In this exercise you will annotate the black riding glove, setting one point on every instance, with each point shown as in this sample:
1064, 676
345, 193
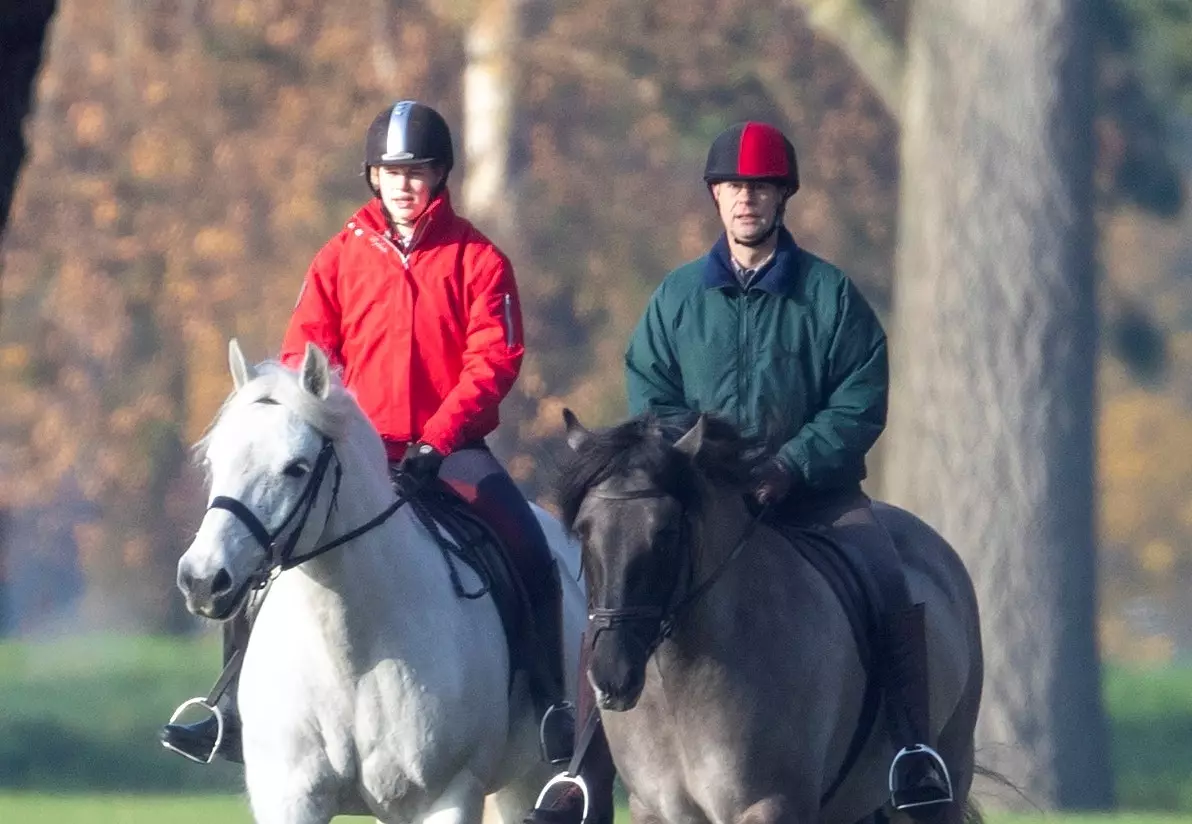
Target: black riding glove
421, 462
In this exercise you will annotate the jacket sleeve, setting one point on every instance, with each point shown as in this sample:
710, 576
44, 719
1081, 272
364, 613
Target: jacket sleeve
834, 442
653, 380
492, 357
316, 315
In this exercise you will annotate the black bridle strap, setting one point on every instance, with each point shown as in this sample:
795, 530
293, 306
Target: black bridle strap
301, 511
603, 618
375, 522
283, 560
246, 516
668, 624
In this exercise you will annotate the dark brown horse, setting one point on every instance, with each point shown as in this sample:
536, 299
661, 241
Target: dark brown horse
725, 667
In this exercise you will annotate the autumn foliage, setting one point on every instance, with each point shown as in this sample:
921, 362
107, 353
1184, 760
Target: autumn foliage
190, 157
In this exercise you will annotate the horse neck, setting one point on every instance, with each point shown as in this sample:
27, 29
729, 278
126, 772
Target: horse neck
723, 522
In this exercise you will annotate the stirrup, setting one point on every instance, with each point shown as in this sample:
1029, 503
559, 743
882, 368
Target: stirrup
937, 762
564, 707
219, 728
567, 778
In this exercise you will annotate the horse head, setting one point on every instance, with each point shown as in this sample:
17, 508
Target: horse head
268, 456
633, 494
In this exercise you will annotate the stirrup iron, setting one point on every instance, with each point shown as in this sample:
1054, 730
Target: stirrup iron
567, 778
937, 761
553, 709
214, 709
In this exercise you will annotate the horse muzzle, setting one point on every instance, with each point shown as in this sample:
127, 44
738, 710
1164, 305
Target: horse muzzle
212, 595
617, 671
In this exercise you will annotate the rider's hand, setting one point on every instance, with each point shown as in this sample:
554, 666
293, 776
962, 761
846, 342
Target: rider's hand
772, 483
421, 461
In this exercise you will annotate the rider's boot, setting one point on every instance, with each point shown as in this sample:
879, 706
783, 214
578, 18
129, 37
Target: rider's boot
918, 776
202, 741
557, 728
588, 797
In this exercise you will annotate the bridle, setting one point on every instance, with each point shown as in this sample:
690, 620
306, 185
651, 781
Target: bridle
667, 615
279, 555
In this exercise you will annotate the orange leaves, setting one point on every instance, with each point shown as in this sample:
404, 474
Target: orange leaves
218, 243
90, 122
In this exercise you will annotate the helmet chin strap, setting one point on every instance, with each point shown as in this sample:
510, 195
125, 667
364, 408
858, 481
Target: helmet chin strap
769, 233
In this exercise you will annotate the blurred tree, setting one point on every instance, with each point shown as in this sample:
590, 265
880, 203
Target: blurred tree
994, 353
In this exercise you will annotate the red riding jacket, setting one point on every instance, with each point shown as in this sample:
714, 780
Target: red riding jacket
429, 342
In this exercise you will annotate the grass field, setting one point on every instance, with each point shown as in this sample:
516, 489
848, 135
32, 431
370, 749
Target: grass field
78, 723
123, 809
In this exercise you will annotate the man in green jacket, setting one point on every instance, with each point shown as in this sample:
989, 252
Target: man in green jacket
780, 341
769, 335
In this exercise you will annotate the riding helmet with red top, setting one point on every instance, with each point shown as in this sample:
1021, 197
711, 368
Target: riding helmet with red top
752, 151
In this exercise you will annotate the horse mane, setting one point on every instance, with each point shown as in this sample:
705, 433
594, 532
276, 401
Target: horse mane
334, 415
728, 459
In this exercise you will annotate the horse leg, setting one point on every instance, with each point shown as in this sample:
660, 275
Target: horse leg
462, 802
638, 814
779, 809
286, 804
289, 790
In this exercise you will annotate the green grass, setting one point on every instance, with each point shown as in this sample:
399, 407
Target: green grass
124, 809
80, 716
1151, 723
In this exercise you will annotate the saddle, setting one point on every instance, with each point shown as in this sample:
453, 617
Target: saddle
474, 543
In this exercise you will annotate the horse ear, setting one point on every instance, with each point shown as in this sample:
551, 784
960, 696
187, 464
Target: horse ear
316, 372
693, 439
576, 433
242, 373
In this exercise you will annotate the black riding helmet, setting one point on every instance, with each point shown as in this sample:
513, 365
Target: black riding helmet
406, 134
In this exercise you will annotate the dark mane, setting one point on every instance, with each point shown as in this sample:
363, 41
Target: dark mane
728, 459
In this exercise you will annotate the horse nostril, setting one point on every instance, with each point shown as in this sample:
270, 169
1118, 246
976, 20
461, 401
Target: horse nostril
186, 579
222, 582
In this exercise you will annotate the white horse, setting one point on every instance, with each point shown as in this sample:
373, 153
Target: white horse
368, 687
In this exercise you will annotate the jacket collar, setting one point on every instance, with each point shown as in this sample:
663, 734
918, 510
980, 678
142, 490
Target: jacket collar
777, 276
437, 217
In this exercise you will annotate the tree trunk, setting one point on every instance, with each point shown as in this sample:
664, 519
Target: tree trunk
23, 29
492, 37
993, 364
489, 103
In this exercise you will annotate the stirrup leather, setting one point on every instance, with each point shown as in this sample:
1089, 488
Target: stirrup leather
219, 728
937, 761
566, 778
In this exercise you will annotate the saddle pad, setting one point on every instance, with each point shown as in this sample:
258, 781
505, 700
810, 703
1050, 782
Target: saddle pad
847, 572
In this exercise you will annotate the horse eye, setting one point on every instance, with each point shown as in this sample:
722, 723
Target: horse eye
296, 469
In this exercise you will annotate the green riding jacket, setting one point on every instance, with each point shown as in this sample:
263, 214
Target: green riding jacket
798, 358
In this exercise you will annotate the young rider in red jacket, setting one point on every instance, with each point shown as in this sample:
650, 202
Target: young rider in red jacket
421, 313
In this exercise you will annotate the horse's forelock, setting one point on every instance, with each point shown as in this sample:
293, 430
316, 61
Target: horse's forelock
332, 415
644, 443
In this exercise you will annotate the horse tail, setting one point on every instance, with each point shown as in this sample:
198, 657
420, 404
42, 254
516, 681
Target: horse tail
971, 813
